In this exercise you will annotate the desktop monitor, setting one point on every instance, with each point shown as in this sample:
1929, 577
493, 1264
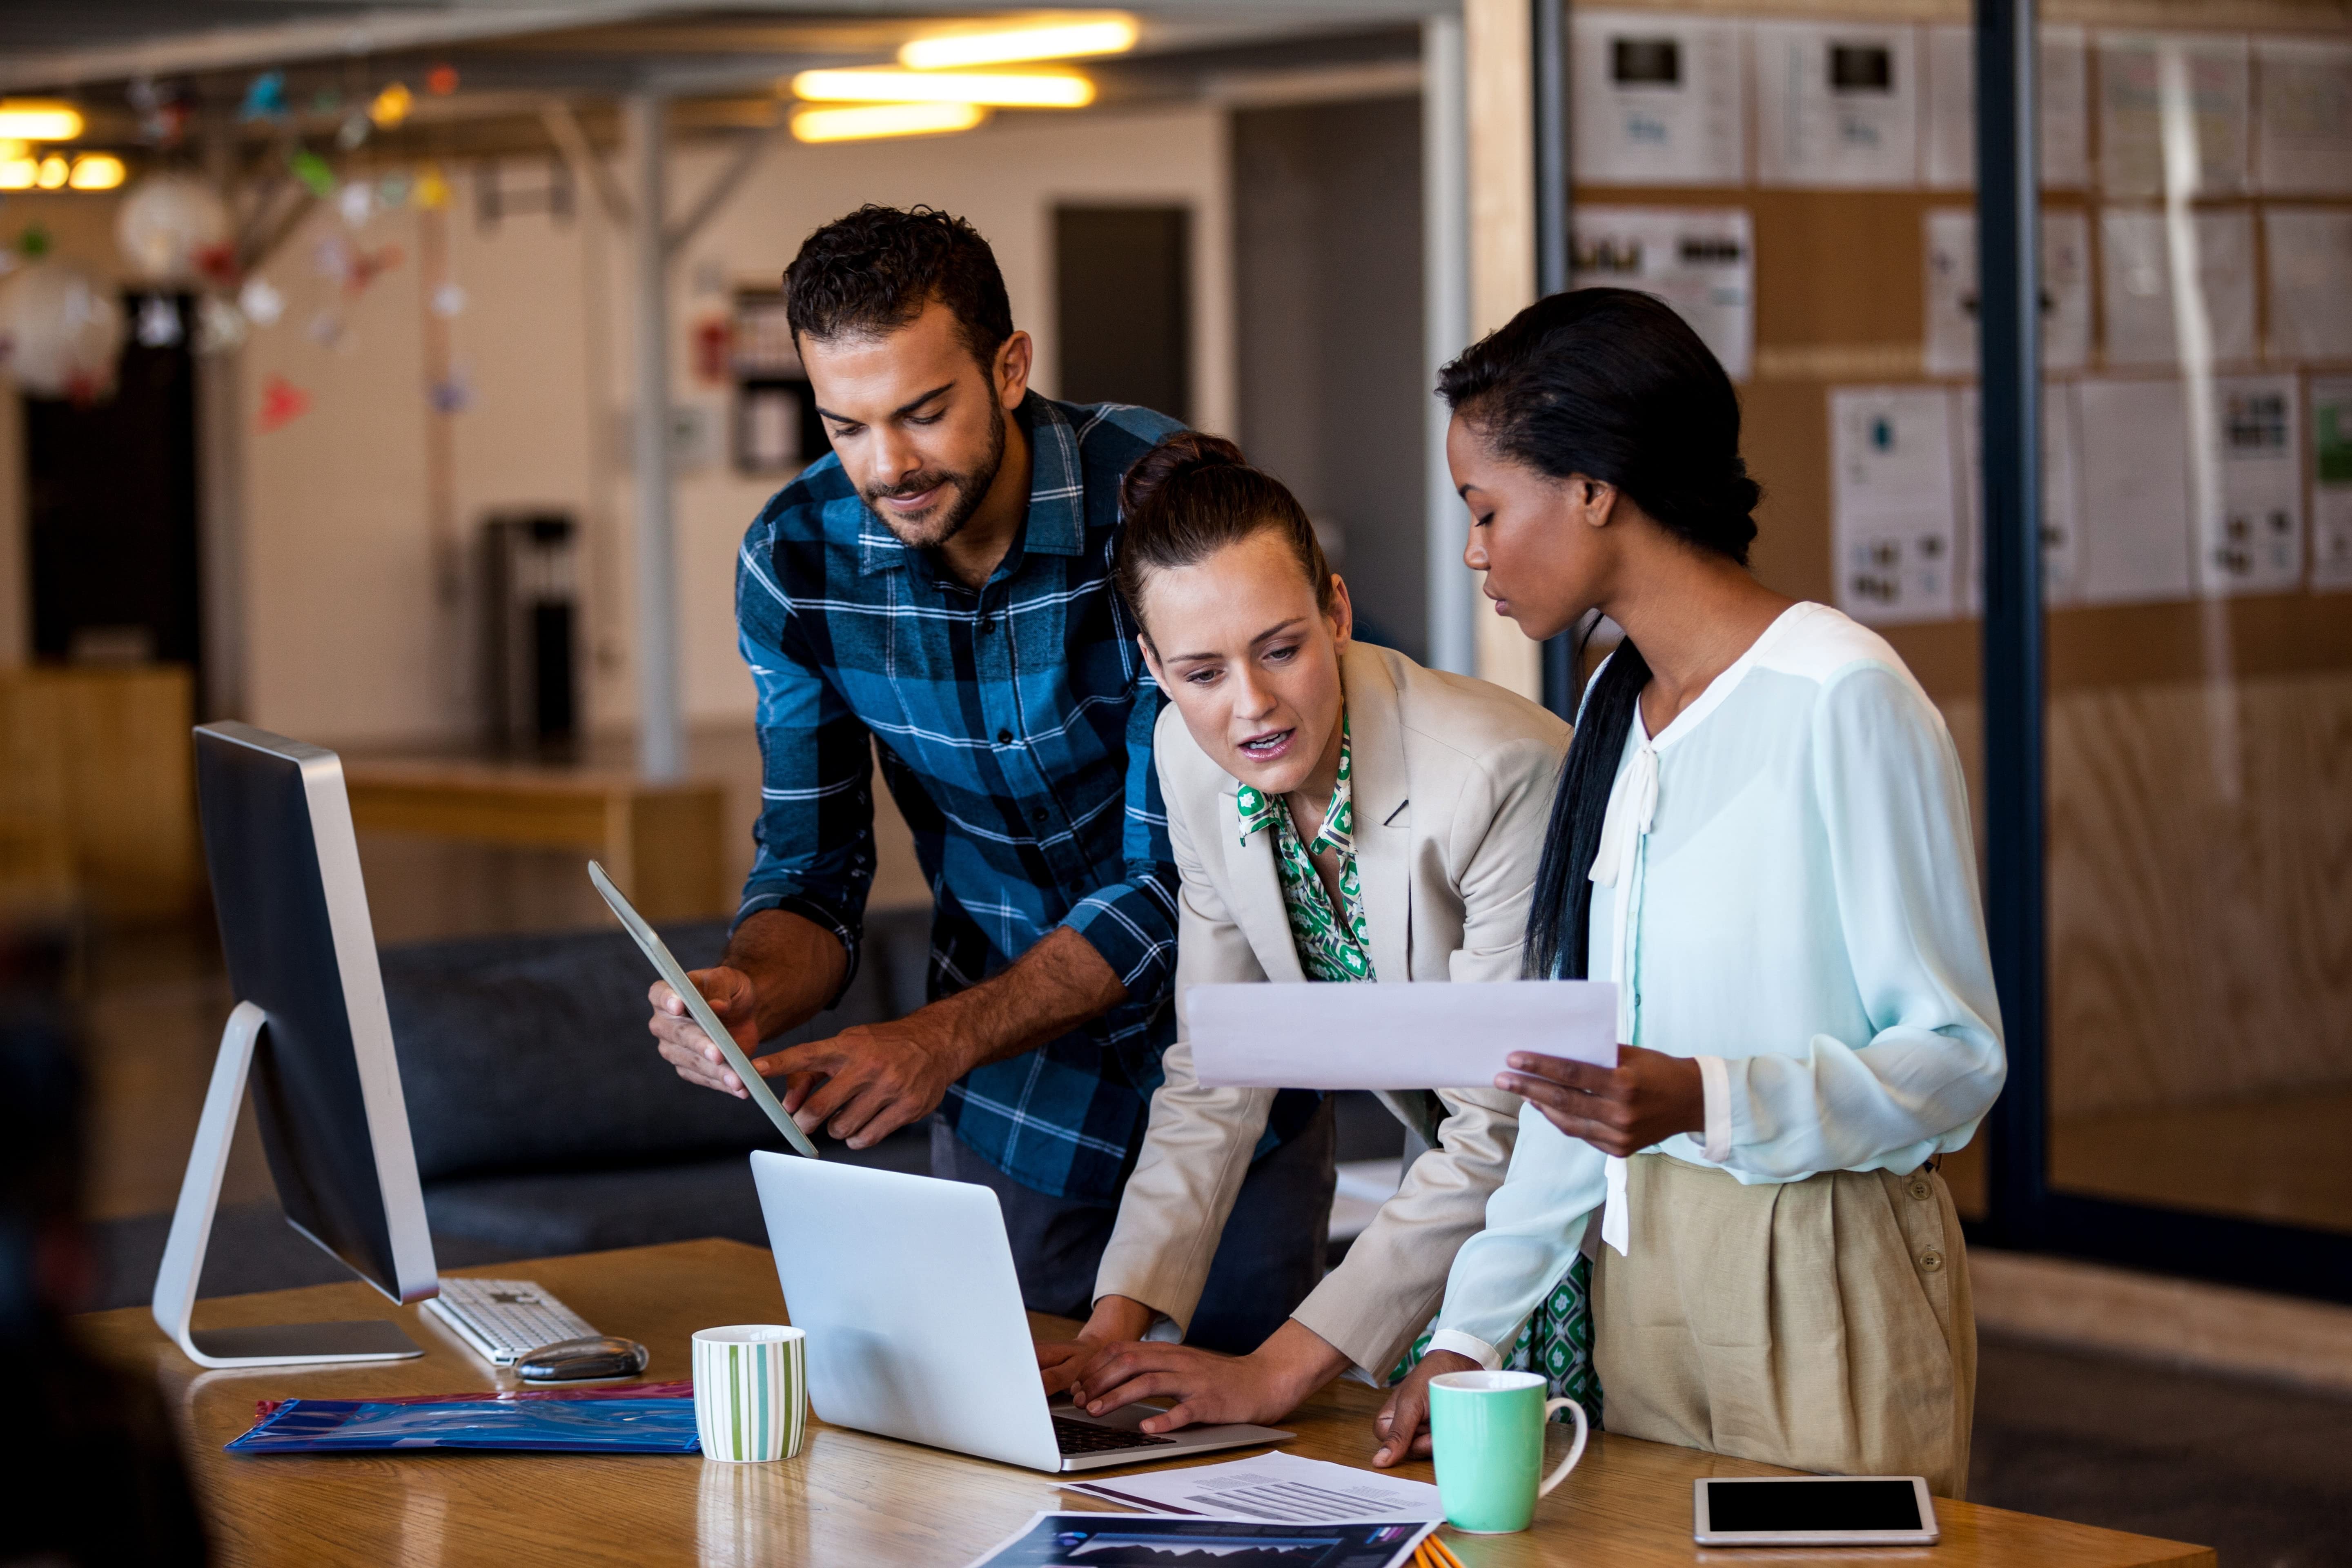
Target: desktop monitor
311, 1035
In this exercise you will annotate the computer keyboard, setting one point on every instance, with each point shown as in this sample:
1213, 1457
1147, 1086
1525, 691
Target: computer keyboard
505, 1320
1085, 1438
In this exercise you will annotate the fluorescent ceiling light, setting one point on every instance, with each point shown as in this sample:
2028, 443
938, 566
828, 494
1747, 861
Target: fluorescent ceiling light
34, 120
17, 174
52, 173
96, 172
885, 120
1034, 90
1053, 41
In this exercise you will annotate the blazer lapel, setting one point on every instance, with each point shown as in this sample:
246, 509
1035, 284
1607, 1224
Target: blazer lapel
1253, 893
1383, 810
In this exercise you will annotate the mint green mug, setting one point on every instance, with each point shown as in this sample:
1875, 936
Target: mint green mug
1487, 1428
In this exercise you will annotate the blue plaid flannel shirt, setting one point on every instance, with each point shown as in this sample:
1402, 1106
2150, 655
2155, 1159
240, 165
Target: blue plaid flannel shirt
1014, 727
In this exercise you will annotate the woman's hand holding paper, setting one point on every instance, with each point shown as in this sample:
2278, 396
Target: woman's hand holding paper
1648, 1097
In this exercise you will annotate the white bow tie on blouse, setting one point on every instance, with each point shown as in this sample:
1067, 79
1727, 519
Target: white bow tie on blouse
1633, 805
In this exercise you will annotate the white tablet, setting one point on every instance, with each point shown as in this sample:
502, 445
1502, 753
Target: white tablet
1813, 1511
669, 969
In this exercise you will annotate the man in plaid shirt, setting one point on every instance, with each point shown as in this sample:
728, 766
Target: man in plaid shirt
936, 592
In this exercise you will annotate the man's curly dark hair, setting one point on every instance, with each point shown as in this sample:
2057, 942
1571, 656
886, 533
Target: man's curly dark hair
878, 269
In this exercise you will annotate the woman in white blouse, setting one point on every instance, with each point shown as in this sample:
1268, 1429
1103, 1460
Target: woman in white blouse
1762, 836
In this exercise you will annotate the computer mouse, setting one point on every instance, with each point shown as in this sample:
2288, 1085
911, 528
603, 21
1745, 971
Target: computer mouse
577, 1360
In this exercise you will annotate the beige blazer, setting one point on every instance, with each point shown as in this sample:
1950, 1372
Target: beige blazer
1453, 782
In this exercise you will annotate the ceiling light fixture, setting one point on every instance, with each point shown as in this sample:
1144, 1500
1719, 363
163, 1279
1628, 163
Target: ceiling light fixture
96, 172
1034, 90
1053, 41
17, 174
37, 120
52, 174
885, 120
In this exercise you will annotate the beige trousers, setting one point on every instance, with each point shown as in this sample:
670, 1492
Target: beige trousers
1823, 1324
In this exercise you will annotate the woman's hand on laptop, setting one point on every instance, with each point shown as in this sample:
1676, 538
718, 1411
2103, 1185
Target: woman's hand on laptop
1115, 1318
1266, 1385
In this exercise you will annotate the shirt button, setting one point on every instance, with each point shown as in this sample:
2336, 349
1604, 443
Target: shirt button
1038, 814
1931, 1261
1920, 1189
986, 627
1004, 737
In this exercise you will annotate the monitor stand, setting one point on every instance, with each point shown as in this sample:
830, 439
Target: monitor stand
288, 1345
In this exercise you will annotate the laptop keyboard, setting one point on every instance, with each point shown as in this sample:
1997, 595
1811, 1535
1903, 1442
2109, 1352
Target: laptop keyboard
1085, 1438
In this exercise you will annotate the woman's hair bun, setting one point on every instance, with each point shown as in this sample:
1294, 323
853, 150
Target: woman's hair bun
1184, 452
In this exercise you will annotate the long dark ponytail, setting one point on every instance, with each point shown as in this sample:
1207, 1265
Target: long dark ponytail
1608, 385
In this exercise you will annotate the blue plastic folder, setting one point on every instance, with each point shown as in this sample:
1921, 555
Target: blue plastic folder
541, 1426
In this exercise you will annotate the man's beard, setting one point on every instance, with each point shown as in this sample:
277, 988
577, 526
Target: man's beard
947, 516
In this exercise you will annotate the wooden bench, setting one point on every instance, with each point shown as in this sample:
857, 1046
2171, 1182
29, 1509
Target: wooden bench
663, 843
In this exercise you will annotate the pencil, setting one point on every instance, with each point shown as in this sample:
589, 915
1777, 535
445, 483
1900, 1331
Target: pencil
1444, 1553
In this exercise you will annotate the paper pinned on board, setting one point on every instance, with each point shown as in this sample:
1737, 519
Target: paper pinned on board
1393, 1036
2146, 80
2250, 533
2136, 526
1948, 156
1700, 260
1951, 282
1281, 1488
1660, 99
2062, 519
1837, 104
2137, 284
2302, 137
1894, 501
2331, 491
2307, 253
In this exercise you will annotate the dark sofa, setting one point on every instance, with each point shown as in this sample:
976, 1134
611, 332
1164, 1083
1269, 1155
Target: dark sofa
545, 1123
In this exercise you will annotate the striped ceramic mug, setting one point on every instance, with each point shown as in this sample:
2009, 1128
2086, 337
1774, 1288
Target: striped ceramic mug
751, 1391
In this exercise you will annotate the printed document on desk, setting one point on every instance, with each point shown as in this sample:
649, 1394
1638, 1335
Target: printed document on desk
1393, 1037
1281, 1488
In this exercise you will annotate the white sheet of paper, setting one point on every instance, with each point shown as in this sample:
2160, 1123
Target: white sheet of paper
1948, 156
1837, 104
1660, 99
2136, 284
2303, 128
2140, 86
2250, 533
2307, 252
2136, 527
1283, 1488
2062, 491
1951, 253
2331, 490
1700, 260
1894, 503
1393, 1036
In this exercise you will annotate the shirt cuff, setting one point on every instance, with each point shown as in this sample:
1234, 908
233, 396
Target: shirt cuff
1132, 925
1163, 1332
1460, 1343
1715, 1085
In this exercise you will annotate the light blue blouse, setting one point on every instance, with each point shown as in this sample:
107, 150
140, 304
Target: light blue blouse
1787, 891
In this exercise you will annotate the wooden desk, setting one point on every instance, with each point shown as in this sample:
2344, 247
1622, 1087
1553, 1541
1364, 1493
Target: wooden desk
663, 843
850, 1498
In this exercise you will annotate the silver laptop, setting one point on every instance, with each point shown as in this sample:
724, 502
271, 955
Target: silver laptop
904, 1288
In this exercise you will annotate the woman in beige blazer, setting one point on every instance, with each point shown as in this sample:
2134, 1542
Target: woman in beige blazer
1337, 813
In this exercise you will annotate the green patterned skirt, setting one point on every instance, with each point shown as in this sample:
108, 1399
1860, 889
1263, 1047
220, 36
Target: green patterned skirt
1557, 1342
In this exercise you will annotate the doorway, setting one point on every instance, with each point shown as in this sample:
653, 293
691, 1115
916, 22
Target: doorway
111, 512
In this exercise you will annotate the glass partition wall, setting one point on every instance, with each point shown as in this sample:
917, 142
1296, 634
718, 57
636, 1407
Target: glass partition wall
2149, 668
2196, 1069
